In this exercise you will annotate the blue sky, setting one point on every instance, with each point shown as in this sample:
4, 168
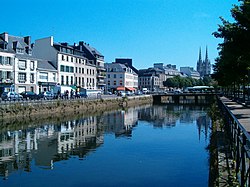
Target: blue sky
148, 31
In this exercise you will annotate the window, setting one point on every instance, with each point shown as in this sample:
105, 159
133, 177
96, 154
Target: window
120, 82
32, 78
32, 65
82, 70
108, 82
71, 69
22, 64
67, 69
63, 58
114, 75
87, 71
62, 80
76, 69
62, 68
67, 58
21, 77
75, 80
43, 76
114, 82
108, 76
1, 60
54, 77
79, 70
20, 50
82, 81
72, 60
79, 80
71, 80
67, 80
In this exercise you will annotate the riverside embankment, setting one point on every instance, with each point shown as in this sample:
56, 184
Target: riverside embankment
43, 109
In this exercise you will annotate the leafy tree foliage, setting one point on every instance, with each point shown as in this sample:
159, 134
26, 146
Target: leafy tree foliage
182, 82
233, 62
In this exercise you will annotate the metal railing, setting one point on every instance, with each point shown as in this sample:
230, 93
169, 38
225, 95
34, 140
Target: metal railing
240, 145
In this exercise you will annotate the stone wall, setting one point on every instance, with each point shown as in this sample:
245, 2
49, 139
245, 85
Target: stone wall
58, 108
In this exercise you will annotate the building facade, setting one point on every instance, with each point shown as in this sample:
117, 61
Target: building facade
190, 72
96, 59
120, 75
73, 67
17, 65
169, 70
152, 79
46, 76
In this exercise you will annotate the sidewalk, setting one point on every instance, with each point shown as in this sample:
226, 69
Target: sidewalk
241, 112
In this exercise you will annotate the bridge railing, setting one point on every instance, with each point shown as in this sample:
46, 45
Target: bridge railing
240, 145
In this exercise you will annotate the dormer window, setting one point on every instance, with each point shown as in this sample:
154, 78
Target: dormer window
28, 50
19, 50
3, 45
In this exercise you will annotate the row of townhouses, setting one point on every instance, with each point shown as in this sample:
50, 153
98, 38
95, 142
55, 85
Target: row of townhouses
40, 66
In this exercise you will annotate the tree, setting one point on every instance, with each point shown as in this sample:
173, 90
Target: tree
232, 64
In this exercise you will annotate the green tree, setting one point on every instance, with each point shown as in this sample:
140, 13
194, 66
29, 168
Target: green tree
232, 64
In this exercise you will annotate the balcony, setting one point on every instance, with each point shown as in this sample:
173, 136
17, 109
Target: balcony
101, 83
100, 68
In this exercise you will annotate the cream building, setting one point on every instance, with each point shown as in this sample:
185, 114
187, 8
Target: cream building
73, 68
120, 77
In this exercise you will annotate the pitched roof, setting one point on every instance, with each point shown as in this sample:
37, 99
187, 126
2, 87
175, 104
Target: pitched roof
45, 65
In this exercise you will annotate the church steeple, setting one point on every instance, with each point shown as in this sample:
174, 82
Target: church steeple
200, 55
206, 58
199, 62
206, 65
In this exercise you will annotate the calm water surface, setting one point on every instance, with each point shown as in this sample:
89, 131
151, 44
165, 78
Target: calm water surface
146, 146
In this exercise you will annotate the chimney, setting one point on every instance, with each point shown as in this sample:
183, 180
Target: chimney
5, 37
81, 43
27, 40
64, 44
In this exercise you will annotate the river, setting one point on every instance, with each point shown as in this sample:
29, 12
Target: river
141, 146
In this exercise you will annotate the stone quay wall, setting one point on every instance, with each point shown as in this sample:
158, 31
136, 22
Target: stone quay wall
57, 108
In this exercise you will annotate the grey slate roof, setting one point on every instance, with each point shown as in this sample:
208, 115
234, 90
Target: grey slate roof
18, 42
45, 65
92, 50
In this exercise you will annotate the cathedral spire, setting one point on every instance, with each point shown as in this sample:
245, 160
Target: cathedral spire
206, 58
200, 55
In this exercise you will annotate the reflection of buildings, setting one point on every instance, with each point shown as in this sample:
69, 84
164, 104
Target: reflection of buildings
121, 122
47, 144
55, 142
159, 116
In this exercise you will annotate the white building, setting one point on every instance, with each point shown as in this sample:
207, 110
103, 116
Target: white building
73, 68
120, 77
190, 72
46, 76
18, 67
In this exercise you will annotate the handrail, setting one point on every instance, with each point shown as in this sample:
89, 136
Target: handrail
240, 141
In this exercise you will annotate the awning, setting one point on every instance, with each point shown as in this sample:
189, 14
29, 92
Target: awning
130, 88
120, 88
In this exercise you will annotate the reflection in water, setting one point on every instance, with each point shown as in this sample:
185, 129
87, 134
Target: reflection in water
50, 143
168, 115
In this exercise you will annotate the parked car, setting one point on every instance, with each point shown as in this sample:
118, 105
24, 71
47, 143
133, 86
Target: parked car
46, 95
30, 95
11, 96
81, 95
